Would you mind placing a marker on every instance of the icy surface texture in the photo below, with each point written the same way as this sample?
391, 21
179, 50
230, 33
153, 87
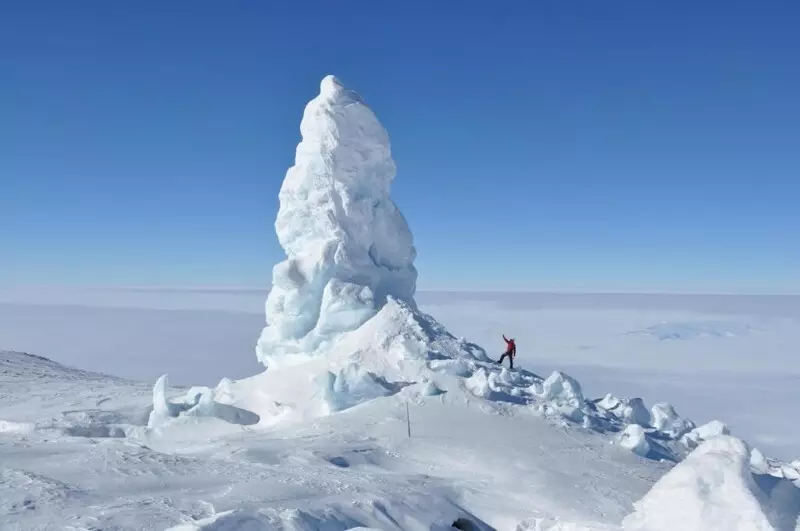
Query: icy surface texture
712, 489
348, 246
705, 432
630, 410
667, 421
634, 439
564, 394
198, 402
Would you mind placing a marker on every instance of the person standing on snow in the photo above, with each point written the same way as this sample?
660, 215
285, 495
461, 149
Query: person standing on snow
511, 351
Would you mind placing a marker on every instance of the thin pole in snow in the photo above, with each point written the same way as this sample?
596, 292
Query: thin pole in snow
408, 421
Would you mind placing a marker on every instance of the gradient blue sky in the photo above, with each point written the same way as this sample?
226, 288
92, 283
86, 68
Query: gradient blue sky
540, 145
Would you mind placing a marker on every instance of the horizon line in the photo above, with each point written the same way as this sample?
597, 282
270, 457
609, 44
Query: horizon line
465, 290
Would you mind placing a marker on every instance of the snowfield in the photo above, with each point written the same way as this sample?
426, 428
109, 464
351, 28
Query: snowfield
368, 413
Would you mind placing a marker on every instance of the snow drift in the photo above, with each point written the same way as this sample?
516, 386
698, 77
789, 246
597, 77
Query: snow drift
712, 489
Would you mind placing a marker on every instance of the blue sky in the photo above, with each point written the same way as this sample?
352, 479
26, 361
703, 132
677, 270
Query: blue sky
540, 145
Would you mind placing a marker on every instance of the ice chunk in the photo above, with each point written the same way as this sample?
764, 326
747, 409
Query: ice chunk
705, 432
666, 420
629, 410
198, 402
564, 394
348, 246
478, 384
634, 439
758, 462
609, 402
349, 387
162, 408
712, 489
429, 388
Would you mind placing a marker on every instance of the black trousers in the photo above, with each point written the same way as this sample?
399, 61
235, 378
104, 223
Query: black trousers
510, 359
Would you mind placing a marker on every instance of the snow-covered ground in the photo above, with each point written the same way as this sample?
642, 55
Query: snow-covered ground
370, 413
749, 381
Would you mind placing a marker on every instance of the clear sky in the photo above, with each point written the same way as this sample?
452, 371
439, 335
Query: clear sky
540, 145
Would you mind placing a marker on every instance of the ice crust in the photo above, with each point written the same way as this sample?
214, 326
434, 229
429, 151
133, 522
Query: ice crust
634, 439
627, 409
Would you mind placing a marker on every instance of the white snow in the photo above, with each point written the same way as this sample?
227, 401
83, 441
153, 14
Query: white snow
630, 410
370, 414
705, 432
186, 332
564, 395
667, 420
712, 489
633, 438
353, 468
348, 245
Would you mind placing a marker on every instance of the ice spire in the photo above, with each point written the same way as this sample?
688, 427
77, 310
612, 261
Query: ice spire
348, 246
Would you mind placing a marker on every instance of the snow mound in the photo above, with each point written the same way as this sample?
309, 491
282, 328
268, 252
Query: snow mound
634, 439
705, 432
348, 246
629, 410
667, 421
712, 489
564, 394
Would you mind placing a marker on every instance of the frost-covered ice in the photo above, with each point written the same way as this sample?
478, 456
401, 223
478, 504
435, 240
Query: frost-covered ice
633, 438
630, 410
666, 420
563, 394
348, 245
703, 433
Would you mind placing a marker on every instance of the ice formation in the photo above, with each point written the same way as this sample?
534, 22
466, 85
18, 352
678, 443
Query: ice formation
667, 421
348, 246
702, 433
634, 439
712, 489
564, 394
627, 409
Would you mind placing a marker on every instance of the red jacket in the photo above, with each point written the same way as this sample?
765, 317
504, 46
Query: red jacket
510, 345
